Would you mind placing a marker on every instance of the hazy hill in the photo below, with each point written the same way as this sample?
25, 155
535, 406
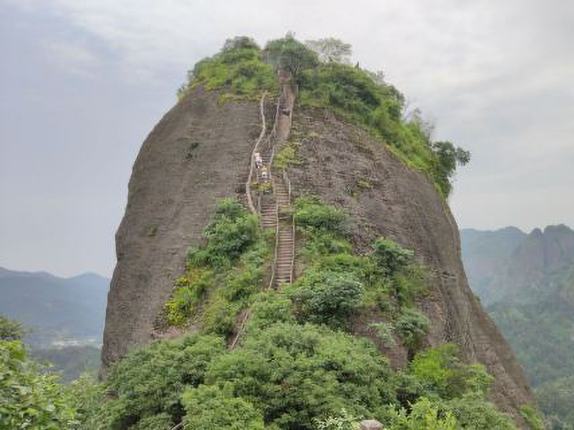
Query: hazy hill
528, 281
55, 308
510, 265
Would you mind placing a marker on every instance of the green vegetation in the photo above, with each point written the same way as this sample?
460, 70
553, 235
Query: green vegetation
69, 362
325, 79
532, 417
289, 54
353, 94
222, 275
387, 279
330, 50
29, 397
412, 326
210, 407
540, 333
424, 415
287, 156
298, 365
10, 330
238, 67
328, 298
345, 421
555, 399
534, 312
446, 375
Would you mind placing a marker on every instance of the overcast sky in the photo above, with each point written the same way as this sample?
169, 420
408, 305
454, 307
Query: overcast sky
82, 82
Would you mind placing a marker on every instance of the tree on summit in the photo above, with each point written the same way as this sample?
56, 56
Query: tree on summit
330, 50
447, 157
290, 54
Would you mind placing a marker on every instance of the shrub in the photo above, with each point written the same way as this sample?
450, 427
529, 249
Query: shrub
532, 417
447, 156
328, 297
321, 243
187, 296
238, 68
156, 422
29, 398
223, 274
384, 331
345, 421
473, 412
210, 408
390, 257
311, 212
295, 374
286, 156
88, 399
410, 283
442, 371
219, 317
269, 308
424, 415
10, 330
230, 233
412, 327
150, 381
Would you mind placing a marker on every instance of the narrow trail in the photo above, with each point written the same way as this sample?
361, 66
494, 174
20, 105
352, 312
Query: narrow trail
283, 220
275, 212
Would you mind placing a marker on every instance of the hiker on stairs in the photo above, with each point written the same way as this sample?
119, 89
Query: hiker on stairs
258, 160
264, 174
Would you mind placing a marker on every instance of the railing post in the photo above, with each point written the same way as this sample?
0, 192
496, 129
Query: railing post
251, 163
370, 425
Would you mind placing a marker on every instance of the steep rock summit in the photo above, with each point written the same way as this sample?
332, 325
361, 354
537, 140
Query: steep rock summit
200, 152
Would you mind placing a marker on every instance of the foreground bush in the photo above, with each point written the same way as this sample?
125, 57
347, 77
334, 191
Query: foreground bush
210, 408
294, 374
30, 399
150, 381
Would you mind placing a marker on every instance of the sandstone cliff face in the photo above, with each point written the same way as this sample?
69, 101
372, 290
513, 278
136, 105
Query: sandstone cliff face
345, 166
197, 154
172, 198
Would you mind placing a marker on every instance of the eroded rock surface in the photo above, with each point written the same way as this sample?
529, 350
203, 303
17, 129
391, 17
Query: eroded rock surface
199, 153
346, 166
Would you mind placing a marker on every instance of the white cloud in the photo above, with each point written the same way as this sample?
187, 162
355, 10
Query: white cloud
73, 56
496, 75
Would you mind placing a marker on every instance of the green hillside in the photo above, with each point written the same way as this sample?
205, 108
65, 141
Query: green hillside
529, 282
55, 309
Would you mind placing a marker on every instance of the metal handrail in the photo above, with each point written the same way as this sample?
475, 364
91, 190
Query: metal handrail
273, 271
251, 161
288, 182
274, 129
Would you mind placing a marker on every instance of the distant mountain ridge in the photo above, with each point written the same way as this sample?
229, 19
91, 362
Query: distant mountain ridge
508, 264
527, 280
56, 309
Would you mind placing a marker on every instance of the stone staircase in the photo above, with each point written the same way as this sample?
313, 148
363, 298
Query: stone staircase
286, 240
275, 214
275, 209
